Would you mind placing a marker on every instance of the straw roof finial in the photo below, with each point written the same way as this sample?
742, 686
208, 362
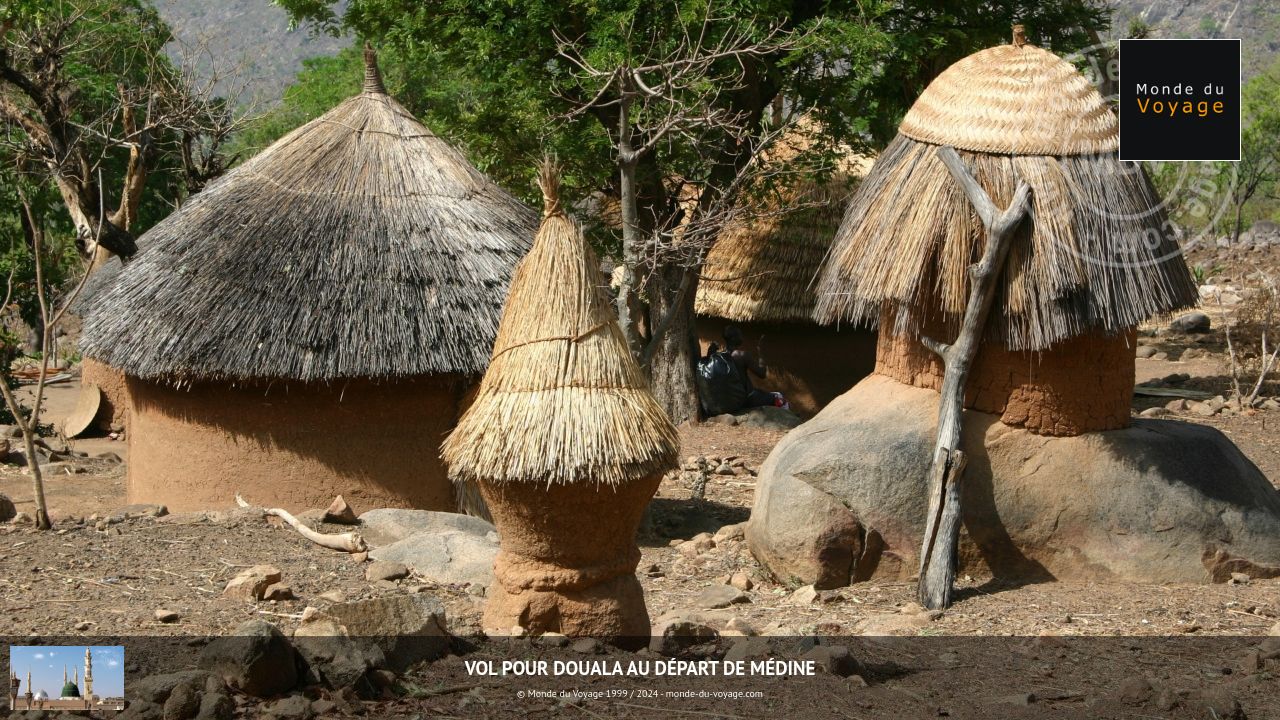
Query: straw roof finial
549, 183
1019, 35
372, 76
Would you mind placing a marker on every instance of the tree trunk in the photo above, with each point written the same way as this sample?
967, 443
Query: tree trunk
946, 474
671, 367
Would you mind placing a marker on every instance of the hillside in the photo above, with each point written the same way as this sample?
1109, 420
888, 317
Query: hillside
1256, 22
250, 35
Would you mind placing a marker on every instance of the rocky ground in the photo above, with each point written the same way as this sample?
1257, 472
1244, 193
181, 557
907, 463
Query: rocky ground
110, 571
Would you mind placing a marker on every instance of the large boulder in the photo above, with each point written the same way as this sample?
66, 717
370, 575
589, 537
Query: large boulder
256, 659
389, 525
449, 557
842, 498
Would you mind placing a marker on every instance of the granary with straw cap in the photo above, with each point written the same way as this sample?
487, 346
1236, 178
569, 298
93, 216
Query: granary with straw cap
566, 444
1008, 256
310, 323
758, 276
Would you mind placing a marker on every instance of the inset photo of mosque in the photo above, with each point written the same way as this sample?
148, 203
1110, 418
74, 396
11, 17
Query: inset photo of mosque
88, 680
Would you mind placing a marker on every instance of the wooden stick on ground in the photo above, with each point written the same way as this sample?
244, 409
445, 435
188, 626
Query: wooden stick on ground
942, 526
346, 542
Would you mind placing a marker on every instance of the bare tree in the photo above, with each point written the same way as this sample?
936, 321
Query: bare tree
49, 319
702, 95
71, 138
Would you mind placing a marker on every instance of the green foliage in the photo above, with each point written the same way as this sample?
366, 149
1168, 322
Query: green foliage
485, 73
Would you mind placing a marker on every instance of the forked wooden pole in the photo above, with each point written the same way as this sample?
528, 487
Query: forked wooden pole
942, 526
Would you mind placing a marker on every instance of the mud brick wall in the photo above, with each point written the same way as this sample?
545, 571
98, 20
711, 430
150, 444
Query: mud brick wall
1081, 385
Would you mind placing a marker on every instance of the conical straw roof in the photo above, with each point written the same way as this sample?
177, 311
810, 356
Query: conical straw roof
762, 265
1095, 255
563, 400
360, 245
1014, 100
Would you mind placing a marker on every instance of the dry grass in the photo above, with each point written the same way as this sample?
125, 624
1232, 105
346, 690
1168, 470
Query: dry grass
358, 246
1082, 263
563, 400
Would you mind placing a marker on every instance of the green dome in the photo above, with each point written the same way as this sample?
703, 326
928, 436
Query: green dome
70, 691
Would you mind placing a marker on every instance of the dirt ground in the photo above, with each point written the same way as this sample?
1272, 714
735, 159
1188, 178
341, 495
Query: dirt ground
84, 581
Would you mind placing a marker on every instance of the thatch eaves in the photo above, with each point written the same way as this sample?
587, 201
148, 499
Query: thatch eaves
563, 400
360, 245
1095, 255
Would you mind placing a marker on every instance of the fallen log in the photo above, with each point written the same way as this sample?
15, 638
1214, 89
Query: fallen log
350, 542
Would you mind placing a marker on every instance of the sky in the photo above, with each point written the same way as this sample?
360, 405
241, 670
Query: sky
46, 661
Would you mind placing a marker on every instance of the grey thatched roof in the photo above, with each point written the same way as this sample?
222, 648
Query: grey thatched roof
359, 245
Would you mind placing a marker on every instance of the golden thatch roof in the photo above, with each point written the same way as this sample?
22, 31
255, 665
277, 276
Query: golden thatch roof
1016, 100
761, 268
1094, 255
563, 400
359, 245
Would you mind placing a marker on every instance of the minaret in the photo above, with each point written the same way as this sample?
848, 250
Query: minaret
75, 676
88, 675
64, 675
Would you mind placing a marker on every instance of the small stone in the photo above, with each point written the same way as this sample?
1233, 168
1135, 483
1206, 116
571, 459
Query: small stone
1239, 578
167, 616
1203, 409
1146, 351
1160, 356
294, 707
278, 592
82, 625
1191, 323
674, 633
723, 419
834, 659
1274, 631
726, 469
340, 513
1177, 405
806, 595
250, 583
696, 545
22, 518
741, 581
1135, 690
1270, 404
332, 596
738, 626
721, 596
323, 706
586, 646
1155, 412
728, 533
359, 557
385, 570
552, 640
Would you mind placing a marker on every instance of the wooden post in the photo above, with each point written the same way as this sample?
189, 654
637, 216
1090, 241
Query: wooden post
942, 526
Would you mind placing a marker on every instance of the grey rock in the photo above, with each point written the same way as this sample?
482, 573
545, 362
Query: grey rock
183, 703
723, 419
256, 658
294, 707
834, 659
721, 596
385, 570
157, 688
674, 632
1146, 351
1190, 323
333, 658
216, 706
385, 526
1160, 501
769, 418
749, 648
446, 557
407, 628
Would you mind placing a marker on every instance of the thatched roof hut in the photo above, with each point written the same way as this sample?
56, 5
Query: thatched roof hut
759, 276
563, 400
1094, 257
349, 273
566, 445
1093, 260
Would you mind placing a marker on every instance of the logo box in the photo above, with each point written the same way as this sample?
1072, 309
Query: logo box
1180, 99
